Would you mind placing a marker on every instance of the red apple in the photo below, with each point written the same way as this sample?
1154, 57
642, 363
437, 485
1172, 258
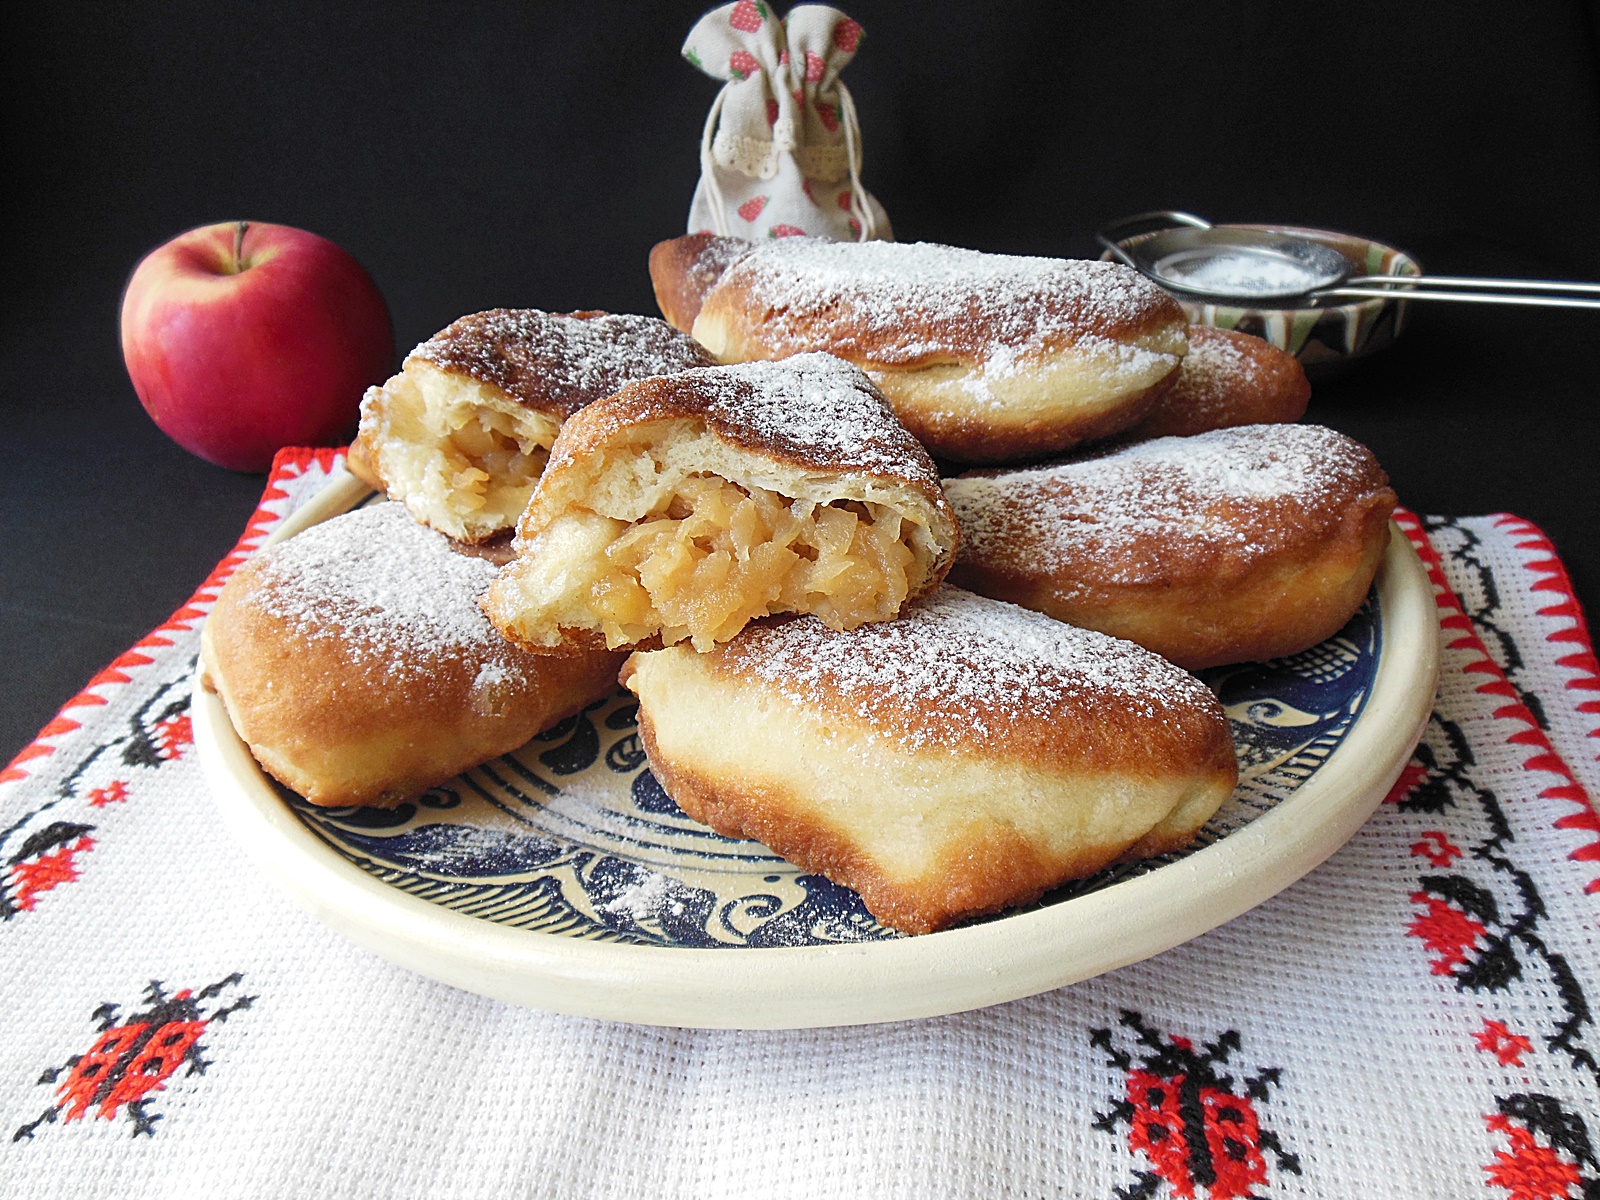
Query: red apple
241, 338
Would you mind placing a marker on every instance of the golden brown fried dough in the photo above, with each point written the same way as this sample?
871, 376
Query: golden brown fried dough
683, 270
460, 435
354, 661
1227, 379
689, 505
984, 357
1230, 546
962, 759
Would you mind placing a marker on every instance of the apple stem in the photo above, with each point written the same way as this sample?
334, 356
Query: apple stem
238, 246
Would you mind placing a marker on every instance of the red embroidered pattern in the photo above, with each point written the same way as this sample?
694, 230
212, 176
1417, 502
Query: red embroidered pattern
1527, 1170
1583, 669
172, 735
114, 792
1481, 917
1447, 932
41, 853
1410, 776
1192, 1122
1436, 847
133, 1058
90, 1073
1458, 633
30, 879
1497, 1039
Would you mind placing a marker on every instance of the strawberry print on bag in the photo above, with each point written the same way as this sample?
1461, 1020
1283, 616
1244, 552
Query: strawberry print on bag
134, 1056
782, 121
747, 16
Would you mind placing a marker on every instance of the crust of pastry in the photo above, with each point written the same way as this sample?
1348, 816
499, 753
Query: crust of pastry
1228, 378
1231, 546
1020, 359
683, 270
346, 714
802, 456
461, 434
934, 810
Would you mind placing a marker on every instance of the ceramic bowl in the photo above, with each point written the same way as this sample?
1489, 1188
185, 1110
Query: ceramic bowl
1327, 338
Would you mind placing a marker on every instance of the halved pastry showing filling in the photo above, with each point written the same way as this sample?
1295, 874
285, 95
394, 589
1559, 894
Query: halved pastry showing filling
683, 508
463, 456
461, 434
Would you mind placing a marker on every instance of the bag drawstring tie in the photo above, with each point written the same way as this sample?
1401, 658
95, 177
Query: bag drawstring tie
859, 208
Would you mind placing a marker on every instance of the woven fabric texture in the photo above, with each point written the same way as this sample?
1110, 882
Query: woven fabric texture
1414, 1018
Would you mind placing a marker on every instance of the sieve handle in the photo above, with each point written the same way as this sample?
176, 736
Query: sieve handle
1536, 300
1147, 222
1484, 283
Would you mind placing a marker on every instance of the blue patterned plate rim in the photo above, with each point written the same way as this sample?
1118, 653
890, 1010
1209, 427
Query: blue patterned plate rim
608, 938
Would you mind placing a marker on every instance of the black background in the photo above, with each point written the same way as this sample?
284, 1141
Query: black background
529, 155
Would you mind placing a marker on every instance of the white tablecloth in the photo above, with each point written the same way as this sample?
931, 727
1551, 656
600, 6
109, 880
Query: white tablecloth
1414, 1018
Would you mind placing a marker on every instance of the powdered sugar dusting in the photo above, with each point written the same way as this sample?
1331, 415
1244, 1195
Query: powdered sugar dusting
389, 589
1213, 371
969, 667
560, 361
907, 303
1126, 514
812, 406
652, 897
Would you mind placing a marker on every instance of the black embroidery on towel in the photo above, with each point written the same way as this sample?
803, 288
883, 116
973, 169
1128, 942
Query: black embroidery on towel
135, 1055
1194, 1123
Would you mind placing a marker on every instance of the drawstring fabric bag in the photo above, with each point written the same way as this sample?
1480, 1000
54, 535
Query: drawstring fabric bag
781, 151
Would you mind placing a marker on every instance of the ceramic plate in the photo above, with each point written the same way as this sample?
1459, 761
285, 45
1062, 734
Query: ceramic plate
562, 876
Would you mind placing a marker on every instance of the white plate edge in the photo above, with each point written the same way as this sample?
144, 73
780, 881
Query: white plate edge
802, 987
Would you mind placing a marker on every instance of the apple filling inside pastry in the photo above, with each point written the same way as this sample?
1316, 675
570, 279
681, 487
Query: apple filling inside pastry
461, 455
708, 557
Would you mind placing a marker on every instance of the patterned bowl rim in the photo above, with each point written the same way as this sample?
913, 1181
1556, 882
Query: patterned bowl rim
860, 983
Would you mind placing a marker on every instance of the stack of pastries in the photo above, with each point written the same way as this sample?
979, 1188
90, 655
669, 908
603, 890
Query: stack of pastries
950, 691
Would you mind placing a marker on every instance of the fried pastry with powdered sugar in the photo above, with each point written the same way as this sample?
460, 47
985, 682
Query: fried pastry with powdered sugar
354, 661
1230, 546
686, 506
962, 759
986, 358
461, 434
